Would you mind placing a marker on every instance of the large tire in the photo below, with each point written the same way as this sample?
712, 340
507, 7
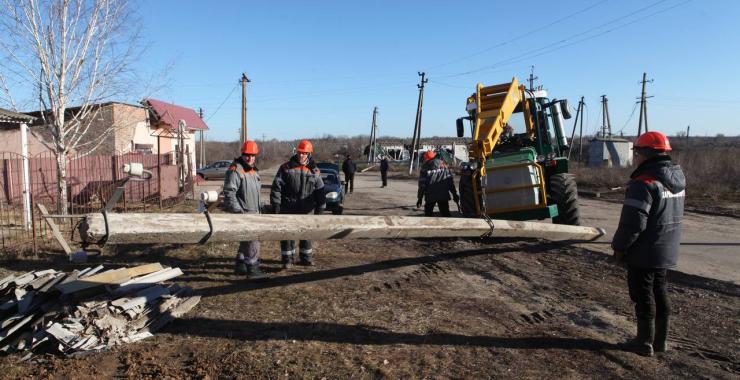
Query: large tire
564, 193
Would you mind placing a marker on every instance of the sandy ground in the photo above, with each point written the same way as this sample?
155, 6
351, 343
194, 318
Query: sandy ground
409, 308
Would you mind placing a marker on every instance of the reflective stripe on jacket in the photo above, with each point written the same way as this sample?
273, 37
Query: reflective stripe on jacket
298, 188
242, 188
649, 229
435, 181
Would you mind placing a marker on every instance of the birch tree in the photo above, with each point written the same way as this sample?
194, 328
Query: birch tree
62, 54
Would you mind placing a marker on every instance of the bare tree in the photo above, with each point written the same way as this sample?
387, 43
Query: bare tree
64, 54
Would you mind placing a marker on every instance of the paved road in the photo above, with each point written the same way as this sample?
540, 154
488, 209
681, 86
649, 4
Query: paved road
710, 246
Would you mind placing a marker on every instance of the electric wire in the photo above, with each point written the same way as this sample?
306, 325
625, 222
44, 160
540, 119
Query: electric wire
551, 47
222, 103
519, 37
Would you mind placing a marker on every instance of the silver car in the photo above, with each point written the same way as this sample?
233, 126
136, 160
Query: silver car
215, 170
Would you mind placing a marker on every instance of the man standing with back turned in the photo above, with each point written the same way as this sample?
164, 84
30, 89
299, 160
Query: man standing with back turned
435, 185
349, 168
648, 238
298, 189
242, 196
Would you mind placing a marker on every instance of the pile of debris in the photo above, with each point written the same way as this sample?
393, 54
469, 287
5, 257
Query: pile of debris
88, 310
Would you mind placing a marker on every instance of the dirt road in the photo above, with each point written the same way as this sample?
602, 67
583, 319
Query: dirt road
410, 309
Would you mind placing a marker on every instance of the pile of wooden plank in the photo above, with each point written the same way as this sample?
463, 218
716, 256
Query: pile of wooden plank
88, 310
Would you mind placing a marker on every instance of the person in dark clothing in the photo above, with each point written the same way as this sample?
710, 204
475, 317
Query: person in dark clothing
298, 189
648, 238
349, 168
435, 185
242, 196
384, 170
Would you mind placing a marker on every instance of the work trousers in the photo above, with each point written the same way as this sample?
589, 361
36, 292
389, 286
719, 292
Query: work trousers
384, 177
349, 183
287, 247
648, 291
444, 208
249, 252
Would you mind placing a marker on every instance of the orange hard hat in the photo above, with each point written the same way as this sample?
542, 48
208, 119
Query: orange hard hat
250, 147
428, 155
304, 146
653, 140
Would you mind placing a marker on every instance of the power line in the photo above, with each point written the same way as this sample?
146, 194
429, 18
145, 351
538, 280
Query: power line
222, 103
519, 37
559, 44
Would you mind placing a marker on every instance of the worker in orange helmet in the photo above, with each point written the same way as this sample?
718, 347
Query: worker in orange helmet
242, 196
435, 185
648, 238
298, 189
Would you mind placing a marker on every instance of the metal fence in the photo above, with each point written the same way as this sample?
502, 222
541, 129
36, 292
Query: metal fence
91, 181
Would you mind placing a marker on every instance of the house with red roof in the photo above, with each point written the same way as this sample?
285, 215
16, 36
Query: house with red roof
149, 127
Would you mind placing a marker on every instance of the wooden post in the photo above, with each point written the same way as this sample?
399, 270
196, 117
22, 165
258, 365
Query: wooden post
193, 228
159, 170
54, 229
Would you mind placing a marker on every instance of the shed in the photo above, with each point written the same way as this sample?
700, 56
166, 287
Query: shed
610, 151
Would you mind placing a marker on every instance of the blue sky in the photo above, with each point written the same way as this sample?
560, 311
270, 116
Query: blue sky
319, 67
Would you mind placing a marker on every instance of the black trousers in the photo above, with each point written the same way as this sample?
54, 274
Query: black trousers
349, 183
384, 177
648, 292
444, 208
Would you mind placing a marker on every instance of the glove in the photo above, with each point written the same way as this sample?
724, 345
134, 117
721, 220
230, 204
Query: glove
455, 197
275, 209
318, 211
418, 203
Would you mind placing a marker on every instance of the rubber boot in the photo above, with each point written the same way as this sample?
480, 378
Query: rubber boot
645, 336
306, 259
661, 334
287, 261
254, 273
240, 267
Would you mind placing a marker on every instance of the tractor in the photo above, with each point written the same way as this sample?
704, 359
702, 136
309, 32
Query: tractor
517, 176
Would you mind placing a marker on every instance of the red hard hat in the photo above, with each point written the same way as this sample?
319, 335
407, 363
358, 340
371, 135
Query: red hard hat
428, 155
250, 147
304, 146
653, 140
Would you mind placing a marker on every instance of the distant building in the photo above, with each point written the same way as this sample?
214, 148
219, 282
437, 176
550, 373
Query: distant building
610, 151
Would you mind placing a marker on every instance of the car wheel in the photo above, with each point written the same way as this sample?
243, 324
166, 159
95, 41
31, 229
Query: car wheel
338, 210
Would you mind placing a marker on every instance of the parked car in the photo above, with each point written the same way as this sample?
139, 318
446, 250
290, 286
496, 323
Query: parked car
333, 190
330, 166
215, 170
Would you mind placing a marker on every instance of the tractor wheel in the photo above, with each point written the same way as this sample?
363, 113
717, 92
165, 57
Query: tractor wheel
564, 193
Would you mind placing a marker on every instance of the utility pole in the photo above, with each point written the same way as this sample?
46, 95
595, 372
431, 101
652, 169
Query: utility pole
688, 129
373, 137
643, 105
579, 113
417, 126
606, 125
202, 155
532, 78
244, 80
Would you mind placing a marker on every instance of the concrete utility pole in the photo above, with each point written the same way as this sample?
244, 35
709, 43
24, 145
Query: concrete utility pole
643, 105
688, 129
579, 114
244, 80
606, 124
373, 137
532, 78
417, 126
202, 155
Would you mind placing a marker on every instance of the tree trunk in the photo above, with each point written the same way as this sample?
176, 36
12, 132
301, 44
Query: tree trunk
62, 182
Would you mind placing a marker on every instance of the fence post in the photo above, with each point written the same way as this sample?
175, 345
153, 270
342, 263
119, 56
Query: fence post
159, 172
8, 179
26, 178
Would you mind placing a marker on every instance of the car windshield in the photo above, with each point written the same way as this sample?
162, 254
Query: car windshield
329, 178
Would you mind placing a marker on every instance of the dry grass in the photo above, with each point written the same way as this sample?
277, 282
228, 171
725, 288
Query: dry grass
711, 173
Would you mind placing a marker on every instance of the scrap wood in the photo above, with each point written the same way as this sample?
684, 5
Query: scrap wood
38, 316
